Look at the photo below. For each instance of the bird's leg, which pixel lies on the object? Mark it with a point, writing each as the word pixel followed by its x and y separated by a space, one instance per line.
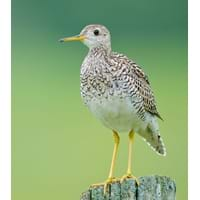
pixel 128 173
pixel 116 140
pixel 110 177
pixel 131 140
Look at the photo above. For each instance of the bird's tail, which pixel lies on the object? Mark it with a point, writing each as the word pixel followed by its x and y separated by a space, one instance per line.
pixel 154 140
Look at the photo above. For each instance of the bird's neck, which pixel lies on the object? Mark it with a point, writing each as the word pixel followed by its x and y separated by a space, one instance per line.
pixel 100 51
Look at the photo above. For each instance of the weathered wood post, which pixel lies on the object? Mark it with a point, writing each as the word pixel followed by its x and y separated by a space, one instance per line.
pixel 150 188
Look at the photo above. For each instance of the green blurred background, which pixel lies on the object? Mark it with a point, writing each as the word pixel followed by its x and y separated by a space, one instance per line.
pixel 58 147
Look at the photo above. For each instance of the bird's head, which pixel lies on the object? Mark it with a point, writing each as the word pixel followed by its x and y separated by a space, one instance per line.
pixel 94 35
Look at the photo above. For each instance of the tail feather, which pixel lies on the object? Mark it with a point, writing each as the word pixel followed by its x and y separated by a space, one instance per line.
pixel 154 140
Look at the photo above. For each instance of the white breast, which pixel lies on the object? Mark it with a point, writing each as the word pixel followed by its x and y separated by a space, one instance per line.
pixel 116 113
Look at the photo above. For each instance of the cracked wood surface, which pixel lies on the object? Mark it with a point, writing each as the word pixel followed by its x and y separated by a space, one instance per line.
pixel 150 188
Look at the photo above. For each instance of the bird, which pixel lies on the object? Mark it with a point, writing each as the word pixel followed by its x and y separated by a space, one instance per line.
pixel 118 93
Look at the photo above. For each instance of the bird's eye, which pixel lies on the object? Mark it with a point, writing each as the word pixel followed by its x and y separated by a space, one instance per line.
pixel 96 32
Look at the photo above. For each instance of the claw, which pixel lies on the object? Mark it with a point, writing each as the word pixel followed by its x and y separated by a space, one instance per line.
pixel 105 184
pixel 127 176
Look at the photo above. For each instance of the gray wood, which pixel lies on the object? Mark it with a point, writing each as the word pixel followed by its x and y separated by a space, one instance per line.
pixel 150 188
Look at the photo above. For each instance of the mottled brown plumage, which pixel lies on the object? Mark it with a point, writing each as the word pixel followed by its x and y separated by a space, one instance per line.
pixel 106 75
pixel 116 89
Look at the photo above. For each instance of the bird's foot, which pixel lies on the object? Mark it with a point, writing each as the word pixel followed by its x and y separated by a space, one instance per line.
pixel 106 184
pixel 129 176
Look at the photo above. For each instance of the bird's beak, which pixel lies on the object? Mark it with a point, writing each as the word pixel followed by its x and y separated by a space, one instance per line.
pixel 74 38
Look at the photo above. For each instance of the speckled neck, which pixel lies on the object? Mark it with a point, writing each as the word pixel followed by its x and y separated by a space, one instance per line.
pixel 100 51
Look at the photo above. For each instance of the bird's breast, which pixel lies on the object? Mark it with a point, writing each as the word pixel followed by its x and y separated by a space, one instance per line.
pixel 106 94
pixel 116 113
pixel 96 79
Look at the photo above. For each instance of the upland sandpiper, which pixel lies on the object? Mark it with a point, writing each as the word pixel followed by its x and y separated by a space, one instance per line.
pixel 118 93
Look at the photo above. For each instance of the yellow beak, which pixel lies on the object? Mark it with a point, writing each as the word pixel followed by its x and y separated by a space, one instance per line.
pixel 74 38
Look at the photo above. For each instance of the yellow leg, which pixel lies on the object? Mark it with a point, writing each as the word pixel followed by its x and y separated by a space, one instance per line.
pixel 116 140
pixel 131 140
pixel 110 177
pixel 128 173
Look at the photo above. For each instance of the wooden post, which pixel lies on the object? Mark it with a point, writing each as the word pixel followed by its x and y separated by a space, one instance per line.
pixel 150 188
